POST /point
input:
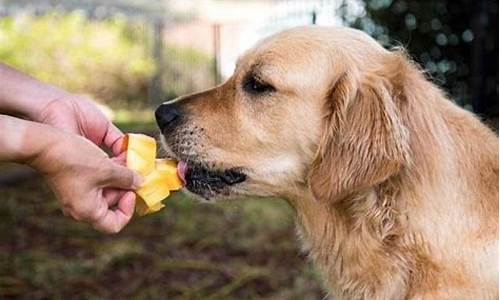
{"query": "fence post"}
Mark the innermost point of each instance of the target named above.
(216, 40)
(155, 92)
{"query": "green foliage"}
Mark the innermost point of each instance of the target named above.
(137, 120)
(104, 58)
(109, 59)
(242, 249)
(456, 41)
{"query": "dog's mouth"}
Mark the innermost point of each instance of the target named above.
(208, 182)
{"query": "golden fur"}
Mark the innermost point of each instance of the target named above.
(394, 186)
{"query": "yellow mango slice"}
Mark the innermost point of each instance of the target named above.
(141, 153)
(169, 170)
(159, 182)
(160, 175)
(142, 209)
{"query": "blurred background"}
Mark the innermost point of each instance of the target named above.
(131, 55)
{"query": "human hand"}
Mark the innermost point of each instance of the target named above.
(90, 186)
(84, 179)
(22, 95)
(80, 115)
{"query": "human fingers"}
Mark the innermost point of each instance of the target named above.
(114, 220)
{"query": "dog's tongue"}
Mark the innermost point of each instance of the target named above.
(181, 171)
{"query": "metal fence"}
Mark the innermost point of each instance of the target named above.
(165, 29)
(192, 51)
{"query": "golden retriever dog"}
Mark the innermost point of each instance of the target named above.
(395, 187)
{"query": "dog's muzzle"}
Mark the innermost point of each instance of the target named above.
(168, 116)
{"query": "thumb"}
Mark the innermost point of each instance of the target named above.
(122, 177)
(114, 139)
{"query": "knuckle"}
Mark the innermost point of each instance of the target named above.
(108, 229)
(85, 212)
(76, 215)
(98, 213)
(106, 170)
(115, 229)
(70, 210)
(67, 208)
(82, 213)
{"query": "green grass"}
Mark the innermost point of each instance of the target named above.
(139, 120)
(243, 249)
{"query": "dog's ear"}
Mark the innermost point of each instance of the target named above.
(364, 141)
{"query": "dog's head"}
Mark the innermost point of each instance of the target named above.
(310, 107)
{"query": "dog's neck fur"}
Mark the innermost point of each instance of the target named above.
(357, 243)
(376, 244)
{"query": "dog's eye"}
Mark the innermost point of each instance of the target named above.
(256, 86)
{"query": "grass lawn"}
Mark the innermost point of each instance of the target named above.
(234, 250)
(243, 249)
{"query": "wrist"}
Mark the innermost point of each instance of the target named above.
(24, 141)
(23, 95)
(46, 97)
(40, 146)
(35, 110)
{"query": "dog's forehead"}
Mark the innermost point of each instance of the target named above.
(285, 68)
(328, 45)
(292, 51)
(275, 55)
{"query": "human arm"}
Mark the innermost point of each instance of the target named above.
(25, 96)
(89, 185)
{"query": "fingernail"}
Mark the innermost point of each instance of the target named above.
(137, 181)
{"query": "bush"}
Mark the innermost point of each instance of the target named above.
(108, 59)
(102, 58)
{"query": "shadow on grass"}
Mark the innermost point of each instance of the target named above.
(234, 250)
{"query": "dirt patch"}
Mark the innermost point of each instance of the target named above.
(239, 250)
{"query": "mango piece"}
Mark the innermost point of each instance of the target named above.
(142, 209)
(169, 169)
(160, 175)
(159, 182)
(141, 153)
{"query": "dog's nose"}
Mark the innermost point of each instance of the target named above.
(167, 116)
